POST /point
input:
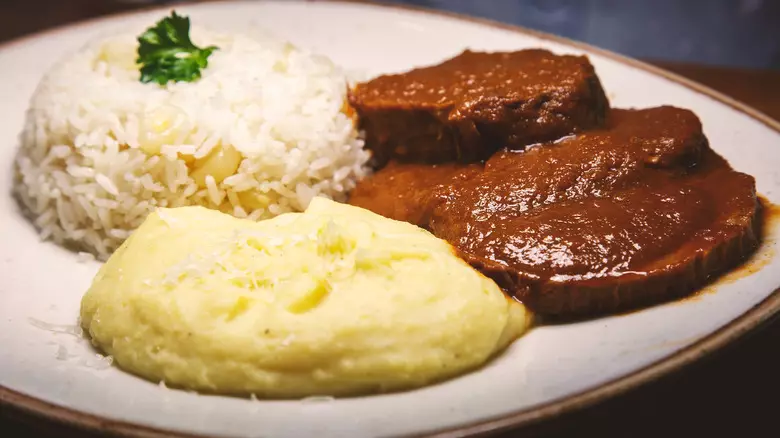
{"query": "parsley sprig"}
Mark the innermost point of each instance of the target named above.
(166, 53)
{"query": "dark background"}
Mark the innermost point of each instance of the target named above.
(730, 45)
(738, 33)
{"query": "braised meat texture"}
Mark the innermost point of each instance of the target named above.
(468, 107)
(635, 213)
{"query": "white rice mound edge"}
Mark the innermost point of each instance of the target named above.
(261, 133)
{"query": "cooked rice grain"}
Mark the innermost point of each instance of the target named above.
(261, 133)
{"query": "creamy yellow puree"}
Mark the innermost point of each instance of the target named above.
(333, 301)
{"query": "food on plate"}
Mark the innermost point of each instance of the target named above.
(469, 106)
(606, 220)
(209, 167)
(332, 301)
(235, 121)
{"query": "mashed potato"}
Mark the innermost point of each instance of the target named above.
(332, 301)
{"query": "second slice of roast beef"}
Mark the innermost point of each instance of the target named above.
(467, 107)
(608, 220)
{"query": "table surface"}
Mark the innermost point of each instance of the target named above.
(731, 393)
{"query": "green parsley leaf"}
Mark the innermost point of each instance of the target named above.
(166, 53)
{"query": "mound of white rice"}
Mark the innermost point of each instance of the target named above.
(261, 133)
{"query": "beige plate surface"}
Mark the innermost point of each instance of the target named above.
(551, 370)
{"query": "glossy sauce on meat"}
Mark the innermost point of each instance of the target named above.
(468, 107)
(634, 213)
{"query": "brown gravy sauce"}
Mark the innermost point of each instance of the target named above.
(574, 208)
(759, 260)
(637, 213)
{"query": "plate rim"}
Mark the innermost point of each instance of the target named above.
(759, 316)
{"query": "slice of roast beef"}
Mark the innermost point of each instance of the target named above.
(636, 213)
(467, 107)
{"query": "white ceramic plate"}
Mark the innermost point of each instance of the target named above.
(553, 368)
